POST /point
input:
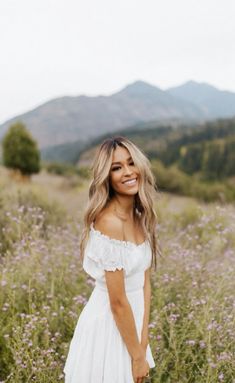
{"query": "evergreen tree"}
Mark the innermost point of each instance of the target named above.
(20, 151)
(214, 160)
(229, 163)
(191, 158)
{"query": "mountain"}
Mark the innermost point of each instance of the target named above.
(147, 102)
(67, 119)
(72, 151)
(82, 118)
(214, 102)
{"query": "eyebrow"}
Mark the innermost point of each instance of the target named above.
(129, 158)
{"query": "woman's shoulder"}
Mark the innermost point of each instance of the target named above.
(110, 225)
(105, 248)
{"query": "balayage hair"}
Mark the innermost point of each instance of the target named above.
(101, 191)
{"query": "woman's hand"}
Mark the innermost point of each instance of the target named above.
(140, 368)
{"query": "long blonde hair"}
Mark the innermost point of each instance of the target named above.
(100, 191)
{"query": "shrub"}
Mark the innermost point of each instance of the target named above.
(67, 169)
(175, 181)
(20, 151)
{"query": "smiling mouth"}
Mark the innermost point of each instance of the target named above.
(130, 182)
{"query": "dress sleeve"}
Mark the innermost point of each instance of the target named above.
(104, 253)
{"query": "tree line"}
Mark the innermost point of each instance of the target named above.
(209, 149)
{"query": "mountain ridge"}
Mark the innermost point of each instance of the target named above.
(70, 118)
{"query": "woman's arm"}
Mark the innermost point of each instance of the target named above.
(123, 314)
(147, 299)
(120, 306)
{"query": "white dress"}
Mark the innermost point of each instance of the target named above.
(97, 352)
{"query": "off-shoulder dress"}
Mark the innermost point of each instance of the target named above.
(97, 352)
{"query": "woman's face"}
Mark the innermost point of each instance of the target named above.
(124, 175)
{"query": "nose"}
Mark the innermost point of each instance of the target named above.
(127, 170)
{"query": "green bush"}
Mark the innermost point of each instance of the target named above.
(171, 179)
(67, 169)
(20, 151)
(175, 181)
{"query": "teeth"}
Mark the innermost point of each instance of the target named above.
(130, 182)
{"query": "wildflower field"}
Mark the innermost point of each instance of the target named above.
(44, 288)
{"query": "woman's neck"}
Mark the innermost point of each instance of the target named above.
(123, 207)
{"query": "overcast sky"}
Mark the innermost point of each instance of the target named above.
(51, 48)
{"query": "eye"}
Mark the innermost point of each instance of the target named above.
(119, 167)
(116, 168)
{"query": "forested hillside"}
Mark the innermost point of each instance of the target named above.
(198, 160)
(208, 147)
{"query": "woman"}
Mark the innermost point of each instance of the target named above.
(118, 247)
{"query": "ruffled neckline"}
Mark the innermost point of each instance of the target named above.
(116, 241)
